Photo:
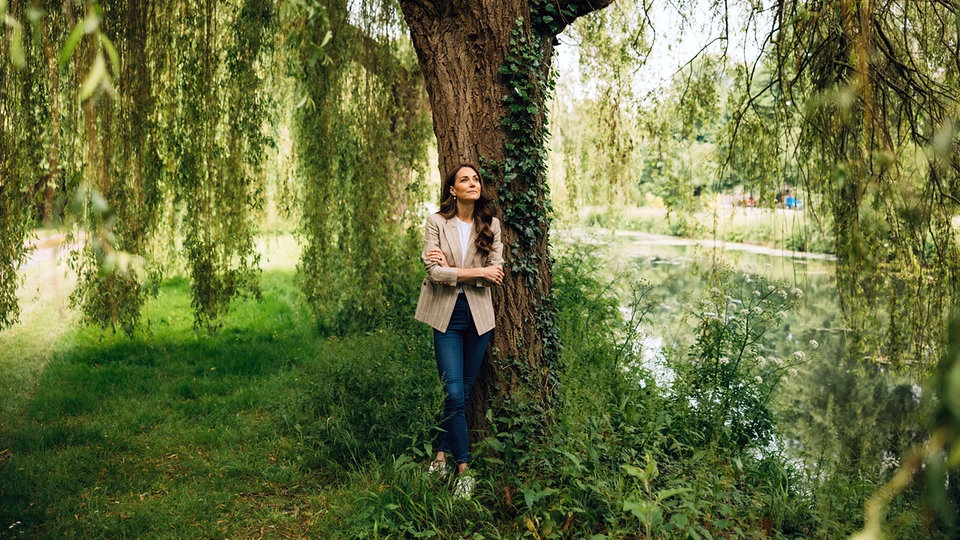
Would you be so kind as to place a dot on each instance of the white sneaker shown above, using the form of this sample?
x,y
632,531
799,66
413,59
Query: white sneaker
x,y
438,468
463,489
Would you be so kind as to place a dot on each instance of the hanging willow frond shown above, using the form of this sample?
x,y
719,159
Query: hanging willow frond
x,y
874,89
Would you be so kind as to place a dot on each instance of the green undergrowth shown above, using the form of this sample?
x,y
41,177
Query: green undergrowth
x,y
269,429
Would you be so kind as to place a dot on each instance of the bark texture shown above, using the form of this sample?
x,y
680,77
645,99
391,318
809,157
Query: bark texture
x,y
461,46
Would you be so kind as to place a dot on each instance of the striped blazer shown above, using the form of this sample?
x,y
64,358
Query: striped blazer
x,y
438,293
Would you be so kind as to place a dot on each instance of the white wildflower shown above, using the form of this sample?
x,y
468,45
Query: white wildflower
x,y
771,288
782,293
756,293
724,360
776,360
781,314
744,311
797,292
757,310
759,379
793,372
716,291
814,344
761,360
799,355
748,278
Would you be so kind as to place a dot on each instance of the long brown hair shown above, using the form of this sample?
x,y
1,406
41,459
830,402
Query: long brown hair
x,y
482,209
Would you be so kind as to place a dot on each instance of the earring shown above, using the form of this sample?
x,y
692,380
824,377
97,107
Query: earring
x,y
454,197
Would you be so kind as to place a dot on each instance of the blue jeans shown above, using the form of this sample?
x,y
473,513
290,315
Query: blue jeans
x,y
459,353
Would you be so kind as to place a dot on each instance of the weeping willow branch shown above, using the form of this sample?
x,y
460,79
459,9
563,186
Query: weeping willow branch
x,y
870,98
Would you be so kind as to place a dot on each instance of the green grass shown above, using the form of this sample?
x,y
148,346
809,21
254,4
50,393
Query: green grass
x,y
177,434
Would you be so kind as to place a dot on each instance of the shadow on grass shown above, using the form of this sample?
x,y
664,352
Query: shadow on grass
x,y
180,434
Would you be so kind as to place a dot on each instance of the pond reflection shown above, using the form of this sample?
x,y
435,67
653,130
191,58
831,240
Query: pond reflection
x,y
842,419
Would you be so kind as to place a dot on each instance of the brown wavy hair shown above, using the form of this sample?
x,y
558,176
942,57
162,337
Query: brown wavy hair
x,y
482,209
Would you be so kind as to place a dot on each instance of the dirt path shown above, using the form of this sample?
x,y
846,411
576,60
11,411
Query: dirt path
x,y
27,346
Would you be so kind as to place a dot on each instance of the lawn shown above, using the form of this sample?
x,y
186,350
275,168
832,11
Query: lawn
x,y
174,433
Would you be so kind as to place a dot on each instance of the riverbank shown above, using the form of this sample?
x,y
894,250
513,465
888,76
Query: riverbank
x,y
591,234
772,228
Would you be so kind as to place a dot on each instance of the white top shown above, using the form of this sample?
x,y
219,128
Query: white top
x,y
464,229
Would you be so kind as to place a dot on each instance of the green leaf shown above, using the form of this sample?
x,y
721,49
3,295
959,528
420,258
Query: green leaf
x,y
639,508
635,472
112,53
97,73
88,25
71,44
667,493
17,57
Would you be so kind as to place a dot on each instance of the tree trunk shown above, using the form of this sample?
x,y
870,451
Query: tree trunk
x,y
461,47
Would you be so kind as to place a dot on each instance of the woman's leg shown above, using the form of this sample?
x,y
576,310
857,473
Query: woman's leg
x,y
474,349
449,350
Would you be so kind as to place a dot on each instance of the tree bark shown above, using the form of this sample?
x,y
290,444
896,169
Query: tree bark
x,y
461,46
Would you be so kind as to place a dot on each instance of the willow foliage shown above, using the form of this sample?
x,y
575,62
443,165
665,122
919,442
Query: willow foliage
x,y
217,144
858,101
361,133
16,194
146,125
875,91
30,150
140,118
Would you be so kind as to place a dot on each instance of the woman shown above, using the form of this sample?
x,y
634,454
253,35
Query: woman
x,y
463,256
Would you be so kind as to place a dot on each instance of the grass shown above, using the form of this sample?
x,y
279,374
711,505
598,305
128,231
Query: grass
x,y
176,434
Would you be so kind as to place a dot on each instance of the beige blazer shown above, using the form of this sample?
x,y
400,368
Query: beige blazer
x,y
438,294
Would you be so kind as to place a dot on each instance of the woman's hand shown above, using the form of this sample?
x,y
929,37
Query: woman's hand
x,y
493,274
437,256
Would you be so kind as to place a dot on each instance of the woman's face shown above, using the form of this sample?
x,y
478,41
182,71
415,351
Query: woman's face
x,y
466,184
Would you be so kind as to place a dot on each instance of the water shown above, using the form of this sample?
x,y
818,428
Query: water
x,y
848,416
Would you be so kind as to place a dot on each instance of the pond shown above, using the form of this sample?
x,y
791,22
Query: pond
x,y
835,416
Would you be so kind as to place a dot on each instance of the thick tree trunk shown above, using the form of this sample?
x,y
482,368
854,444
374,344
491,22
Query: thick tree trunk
x,y
461,46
